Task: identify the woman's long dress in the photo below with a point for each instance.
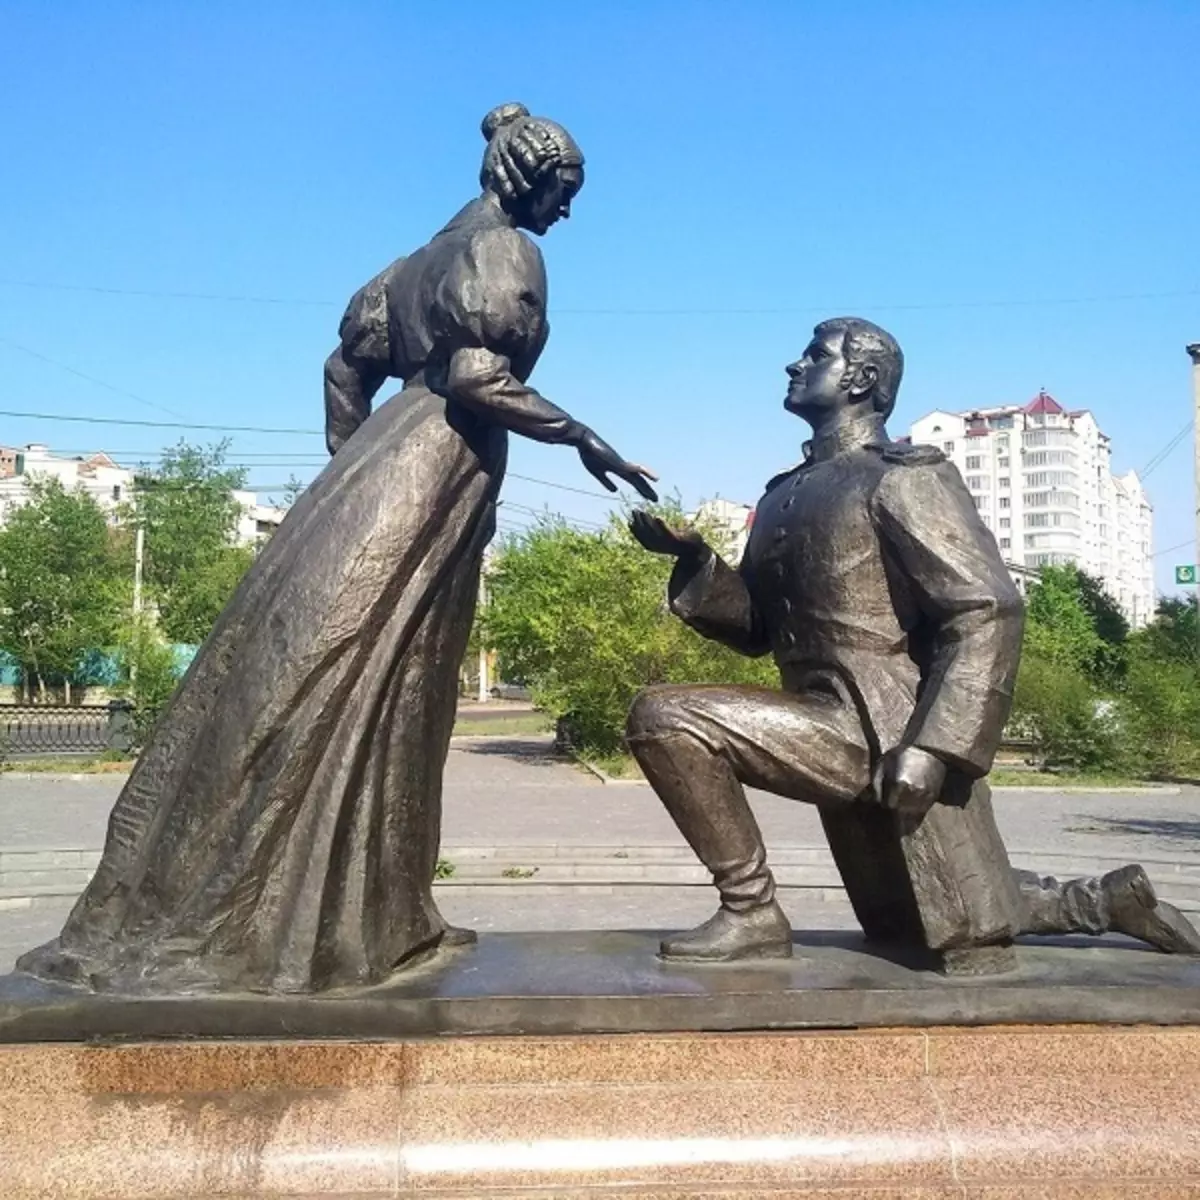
(280, 830)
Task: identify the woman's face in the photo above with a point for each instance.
(551, 200)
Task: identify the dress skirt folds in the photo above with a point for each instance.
(281, 827)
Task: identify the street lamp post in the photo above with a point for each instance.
(1194, 354)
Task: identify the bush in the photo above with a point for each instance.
(151, 676)
(1070, 722)
(1160, 707)
(583, 618)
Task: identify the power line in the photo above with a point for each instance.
(157, 424)
(90, 378)
(1020, 302)
(859, 306)
(40, 416)
(1165, 452)
(146, 293)
(1169, 549)
(544, 513)
(305, 459)
(565, 487)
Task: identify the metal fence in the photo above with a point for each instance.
(31, 730)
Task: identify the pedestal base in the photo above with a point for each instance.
(562, 983)
(1005, 1114)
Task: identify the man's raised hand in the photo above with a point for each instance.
(659, 538)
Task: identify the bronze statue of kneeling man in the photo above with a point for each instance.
(897, 631)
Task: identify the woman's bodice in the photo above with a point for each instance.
(477, 283)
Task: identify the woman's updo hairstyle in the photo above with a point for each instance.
(521, 150)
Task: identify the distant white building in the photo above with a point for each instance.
(1042, 480)
(108, 483)
(731, 519)
(257, 520)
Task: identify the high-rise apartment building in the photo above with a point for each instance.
(1041, 478)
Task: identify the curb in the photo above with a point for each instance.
(604, 776)
(1150, 789)
(62, 776)
(30, 874)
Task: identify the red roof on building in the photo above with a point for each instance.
(1043, 403)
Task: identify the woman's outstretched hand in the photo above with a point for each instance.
(659, 538)
(601, 460)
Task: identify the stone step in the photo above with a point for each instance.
(795, 895)
(65, 872)
(43, 858)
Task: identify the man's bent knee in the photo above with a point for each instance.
(658, 711)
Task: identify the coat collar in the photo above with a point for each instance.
(864, 431)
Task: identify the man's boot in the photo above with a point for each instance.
(1123, 901)
(729, 935)
(1135, 910)
(709, 805)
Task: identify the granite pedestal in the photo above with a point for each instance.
(1018, 1113)
(405, 1089)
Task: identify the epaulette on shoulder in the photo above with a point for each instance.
(910, 455)
(776, 480)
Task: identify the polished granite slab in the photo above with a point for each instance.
(1013, 1113)
(613, 982)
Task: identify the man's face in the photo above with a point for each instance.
(551, 200)
(819, 378)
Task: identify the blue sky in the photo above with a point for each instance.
(1011, 188)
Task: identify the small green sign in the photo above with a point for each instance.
(1186, 574)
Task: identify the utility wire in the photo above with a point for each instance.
(1165, 452)
(566, 487)
(157, 424)
(1021, 302)
(540, 513)
(146, 293)
(41, 416)
(90, 378)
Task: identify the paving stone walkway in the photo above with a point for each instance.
(511, 798)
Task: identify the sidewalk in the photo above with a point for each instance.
(536, 843)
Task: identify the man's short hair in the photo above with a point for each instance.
(863, 342)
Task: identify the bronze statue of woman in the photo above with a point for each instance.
(280, 830)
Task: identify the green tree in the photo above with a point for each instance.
(1160, 713)
(1173, 635)
(1107, 618)
(293, 489)
(149, 671)
(1060, 627)
(1074, 652)
(61, 587)
(190, 517)
(1160, 698)
(581, 618)
(1059, 707)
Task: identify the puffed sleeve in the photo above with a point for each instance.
(492, 303)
